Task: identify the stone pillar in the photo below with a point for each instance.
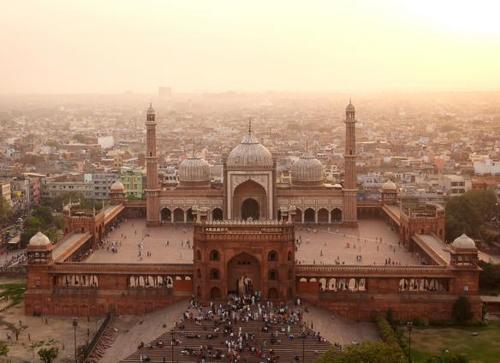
(329, 217)
(185, 216)
(315, 216)
(172, 217)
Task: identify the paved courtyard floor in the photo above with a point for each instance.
(372, 243)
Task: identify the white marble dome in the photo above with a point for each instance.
(39, 239)
(307, 170)
(194, 169)
(250, 153)
(389, 185)
(117, 187)
(463, 242)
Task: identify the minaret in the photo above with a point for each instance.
(350, 214)
(152, 187)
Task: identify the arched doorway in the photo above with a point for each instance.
(178, 215)
(189, 215)
(243, 273)
(323, 216)
(166, 215)
(309, 216)
(217, 214)
(249, 200)
(250, 209)
(336, 215)
(298, 216)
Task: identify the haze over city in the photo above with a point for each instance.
(250, 181)
(349, 46)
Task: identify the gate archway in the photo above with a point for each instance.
(243, 270)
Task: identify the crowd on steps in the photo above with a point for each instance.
(242, 330)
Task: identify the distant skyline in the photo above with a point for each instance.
(215, 46)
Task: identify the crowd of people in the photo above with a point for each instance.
(242, 328)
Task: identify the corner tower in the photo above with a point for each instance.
(350, 215)
(153, 187)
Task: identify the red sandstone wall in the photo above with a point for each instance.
(434, 308)
(93, 303)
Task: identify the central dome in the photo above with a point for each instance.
(250, 153)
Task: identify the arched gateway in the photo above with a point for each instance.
(243, 273)
(242, 258)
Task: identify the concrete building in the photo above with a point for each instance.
(132, 180)
(5, 191)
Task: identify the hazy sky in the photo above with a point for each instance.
(66, 46)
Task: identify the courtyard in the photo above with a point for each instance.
(371, 243)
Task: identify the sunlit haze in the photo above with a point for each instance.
(349, 46)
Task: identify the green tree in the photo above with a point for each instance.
(462, 311)
(44, 214)
(368, 352)
(468, 212)
(48, 354)
(4, 348)
(448, 358)
(59, 221)
(5, 210)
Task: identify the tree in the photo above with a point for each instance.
(5, 210)
(448, 358)
(468, 212)
(462, 311)
(48, 354)
(367, 352)
(44, 214)
(4, 349)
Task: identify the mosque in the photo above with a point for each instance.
(250, 189)
(307, 239)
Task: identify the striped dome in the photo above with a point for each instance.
(307, 170)
(194, 169)
(250, 153)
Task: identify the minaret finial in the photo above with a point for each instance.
(350, 101)
(192, 149)
(249, 125)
